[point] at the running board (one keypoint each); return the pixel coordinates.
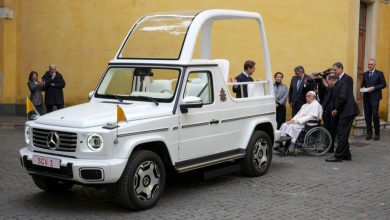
(200, 162)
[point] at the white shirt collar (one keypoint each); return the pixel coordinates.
(341, 75)
(245, 74)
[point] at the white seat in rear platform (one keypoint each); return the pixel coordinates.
(160, 85)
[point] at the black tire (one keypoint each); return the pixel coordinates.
(258, 155)
(142, 182)
(52, 185)
(317, 141)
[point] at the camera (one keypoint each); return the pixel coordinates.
(322, 75)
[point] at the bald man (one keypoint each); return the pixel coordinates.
(54, 83)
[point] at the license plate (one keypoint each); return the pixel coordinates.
(46, 162)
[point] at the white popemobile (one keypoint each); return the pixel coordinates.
(180, 115)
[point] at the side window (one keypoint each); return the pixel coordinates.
(200, 84)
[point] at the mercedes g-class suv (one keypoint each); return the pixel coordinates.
(179, 113)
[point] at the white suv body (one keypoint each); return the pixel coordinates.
(179, 111)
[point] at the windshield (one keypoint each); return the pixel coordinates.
(157, 37)
(139, 83)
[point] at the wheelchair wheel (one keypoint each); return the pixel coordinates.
(317, 141)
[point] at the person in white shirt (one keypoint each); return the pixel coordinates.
(312, 110)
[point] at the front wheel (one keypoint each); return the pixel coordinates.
(258, 155)
(142, 181)
(51, 185)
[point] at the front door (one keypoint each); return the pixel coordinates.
(199, 127)
(361, 52)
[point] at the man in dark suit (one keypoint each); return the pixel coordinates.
(329, 120)
(54, 83)
(246, 76)
(345, 109)
(374, 82)
(338, 68)
(298, 88)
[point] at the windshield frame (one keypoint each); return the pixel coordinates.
(180, 70)
(134, 28)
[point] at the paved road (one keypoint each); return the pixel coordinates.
(302, 187)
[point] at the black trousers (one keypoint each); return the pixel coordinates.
(49, 108)
(280, 115)
(343, 129)
(330, 124)
(371, 114)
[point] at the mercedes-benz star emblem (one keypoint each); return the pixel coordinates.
(53, 140)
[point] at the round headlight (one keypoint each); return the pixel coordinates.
(95, 142)
(27, 134)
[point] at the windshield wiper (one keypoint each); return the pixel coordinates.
(115, 96)
(149, 99)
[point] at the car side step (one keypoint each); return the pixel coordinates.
(220, 171)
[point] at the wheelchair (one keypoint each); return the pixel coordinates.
(313, 138)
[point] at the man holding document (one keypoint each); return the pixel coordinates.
(372, 84)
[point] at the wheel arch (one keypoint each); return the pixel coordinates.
(159, 148)
(267, 128)
(261, 124)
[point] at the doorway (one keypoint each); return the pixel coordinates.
(361, 51)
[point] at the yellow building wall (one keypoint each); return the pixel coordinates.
(9, 84)
(383, 54)
(82, 36)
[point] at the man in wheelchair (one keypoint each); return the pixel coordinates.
(310, 111)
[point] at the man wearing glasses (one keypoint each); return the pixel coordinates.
(298, 89)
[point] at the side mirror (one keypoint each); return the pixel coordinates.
(190, 102)
(90, 94)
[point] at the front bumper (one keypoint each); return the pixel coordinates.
(71, 168)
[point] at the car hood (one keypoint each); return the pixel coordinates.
(98, 114)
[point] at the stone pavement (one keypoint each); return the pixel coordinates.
(12, 120)
(301, 187)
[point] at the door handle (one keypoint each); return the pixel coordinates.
(214, 121)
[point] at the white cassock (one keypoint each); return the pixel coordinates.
(312, 111)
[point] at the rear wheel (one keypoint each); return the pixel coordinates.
(142, 181)
(51, 184)
(317, 141)
(258, 155)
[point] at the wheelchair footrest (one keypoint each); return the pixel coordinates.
(282, 139)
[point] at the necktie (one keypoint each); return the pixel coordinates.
(370, 73)
(299, 83)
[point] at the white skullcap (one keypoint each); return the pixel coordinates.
(312, 93)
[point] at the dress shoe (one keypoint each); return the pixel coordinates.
(348, 158)
(376, 138)
(368, 136)
(282, 152)
(333, 159)
(277, 147)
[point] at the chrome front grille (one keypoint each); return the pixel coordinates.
(67, 141)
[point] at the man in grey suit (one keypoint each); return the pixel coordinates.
(374, 82)
(298, 89)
